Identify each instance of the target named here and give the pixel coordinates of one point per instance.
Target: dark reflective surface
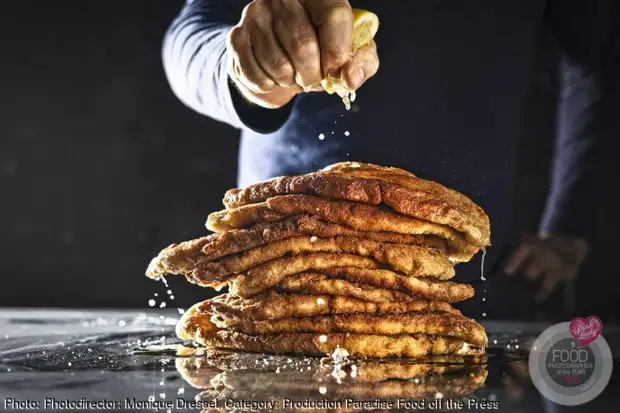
(119, 355)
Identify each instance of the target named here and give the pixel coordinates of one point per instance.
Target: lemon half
(365, 27)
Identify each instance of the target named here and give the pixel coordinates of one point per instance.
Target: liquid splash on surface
(95, 353)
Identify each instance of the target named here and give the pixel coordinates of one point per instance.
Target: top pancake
(372, 184)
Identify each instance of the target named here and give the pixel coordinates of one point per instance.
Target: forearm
(195, 61)
(587, 129)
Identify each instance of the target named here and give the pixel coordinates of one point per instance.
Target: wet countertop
(57, 356)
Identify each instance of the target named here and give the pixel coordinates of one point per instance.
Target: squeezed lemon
(365, 26)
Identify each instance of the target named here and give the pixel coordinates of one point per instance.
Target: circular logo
(566, 371)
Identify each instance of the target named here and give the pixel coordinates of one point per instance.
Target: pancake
(197, 326)
(231, 242)
(429, 323)
(184, 257)
(378, 286)
(274, 306)
(409, 259)
(358, 345)
(317, 283)
(268, 275)
(372, 184)
(360, 217)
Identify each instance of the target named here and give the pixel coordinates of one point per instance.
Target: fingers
(361, 67)
(334, 22)
(518, 258)
(269, 54)
(535, 267)
(244, 65)
(298, 38)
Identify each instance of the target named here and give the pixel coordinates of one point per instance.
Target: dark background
(101, 166)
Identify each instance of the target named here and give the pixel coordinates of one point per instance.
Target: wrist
(274, 100)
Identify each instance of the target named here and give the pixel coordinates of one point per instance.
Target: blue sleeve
(195, 61)
(588, 112)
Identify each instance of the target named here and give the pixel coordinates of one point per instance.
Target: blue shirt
(447, 103)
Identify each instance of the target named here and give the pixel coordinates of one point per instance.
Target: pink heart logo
(585, 331)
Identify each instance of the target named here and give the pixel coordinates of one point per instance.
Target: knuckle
(262, 84)
(251, 9)
(235, 38)
(337, 55)
(283, 70)
(304, 44)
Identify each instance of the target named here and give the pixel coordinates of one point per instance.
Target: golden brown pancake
(358, 345)
(266, 276)
(184, 257)
(273, 306)
(409, 259)
(231, 242)
(372, 184)
(377, 286)
(360, 217)
(430, 323)
(425, 288)
(317, 283)
(197, 326)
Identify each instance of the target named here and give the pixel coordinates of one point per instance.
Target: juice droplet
(321, 136)
(347, 102)
(484, 254)
(162, 305)
(151, 303)
(347, 133)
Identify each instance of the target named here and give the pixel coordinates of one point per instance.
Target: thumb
(363, 66)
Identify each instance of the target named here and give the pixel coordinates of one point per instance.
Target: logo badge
(585, 331)
(571, 363)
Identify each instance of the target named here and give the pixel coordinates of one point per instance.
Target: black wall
(101, 166)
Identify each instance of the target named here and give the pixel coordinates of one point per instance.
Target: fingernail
(356, 76)
(333, 73)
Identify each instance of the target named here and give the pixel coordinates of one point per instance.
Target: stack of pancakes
(355, 256)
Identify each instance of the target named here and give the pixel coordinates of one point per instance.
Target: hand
(282, 48)
(552, 259)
